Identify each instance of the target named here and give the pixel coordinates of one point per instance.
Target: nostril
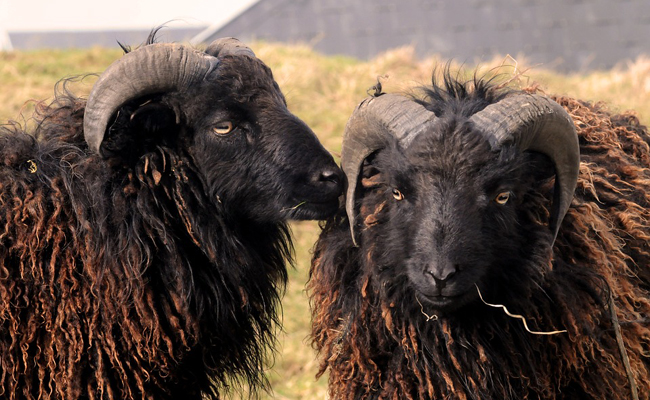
(330, 175)
(442, 275)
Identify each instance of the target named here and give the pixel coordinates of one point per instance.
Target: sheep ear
(153, 118)
(140, 131)
(542, 168)
(370, 174)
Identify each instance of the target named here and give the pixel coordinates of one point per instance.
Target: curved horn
(537, 123)
(228, 46)
(368, 130)
(154, 68)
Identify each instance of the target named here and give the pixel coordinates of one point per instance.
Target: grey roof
(565, 34)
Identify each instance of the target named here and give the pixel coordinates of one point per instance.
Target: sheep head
(222, 110)
(440, 200)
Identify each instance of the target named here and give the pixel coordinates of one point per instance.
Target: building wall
(568, 35)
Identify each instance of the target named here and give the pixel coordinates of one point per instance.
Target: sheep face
(445, 213)
(234, 124)
(442, 197)
(289, 174)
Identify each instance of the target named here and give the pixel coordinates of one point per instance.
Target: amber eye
(398, 195)
(223, 128)
(502, 198)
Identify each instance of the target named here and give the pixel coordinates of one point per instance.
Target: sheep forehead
(450, 153)
(237, 85)
(246, 77)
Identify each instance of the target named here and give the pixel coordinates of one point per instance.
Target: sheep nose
(331, 176)
(442, 275)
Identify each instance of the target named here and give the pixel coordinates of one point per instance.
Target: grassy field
(323, 91)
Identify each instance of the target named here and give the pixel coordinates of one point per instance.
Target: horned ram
(143, 232)
(493, 245)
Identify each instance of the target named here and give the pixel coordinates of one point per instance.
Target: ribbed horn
(369, 129)
(228, 46)
(155, 68)
(537, 123)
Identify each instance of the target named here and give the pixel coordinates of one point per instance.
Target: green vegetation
(323, 91)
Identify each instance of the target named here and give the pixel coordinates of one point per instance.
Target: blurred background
(325, 54)
(566, 35)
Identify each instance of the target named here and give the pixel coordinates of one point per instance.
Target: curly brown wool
(376, 341)
(148, 261)
(82, 313)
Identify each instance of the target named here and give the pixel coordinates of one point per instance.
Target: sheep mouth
(446, 302)
(311, 210)
(442, 301)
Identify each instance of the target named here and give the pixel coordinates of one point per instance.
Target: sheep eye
(223, 128)
(398, 195)
(502, 198)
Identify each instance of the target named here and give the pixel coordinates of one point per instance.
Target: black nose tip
(330, 180)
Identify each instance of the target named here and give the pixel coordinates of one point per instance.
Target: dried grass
(517, 316)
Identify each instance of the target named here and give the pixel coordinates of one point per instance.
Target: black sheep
(466, 197)
(143, 234)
